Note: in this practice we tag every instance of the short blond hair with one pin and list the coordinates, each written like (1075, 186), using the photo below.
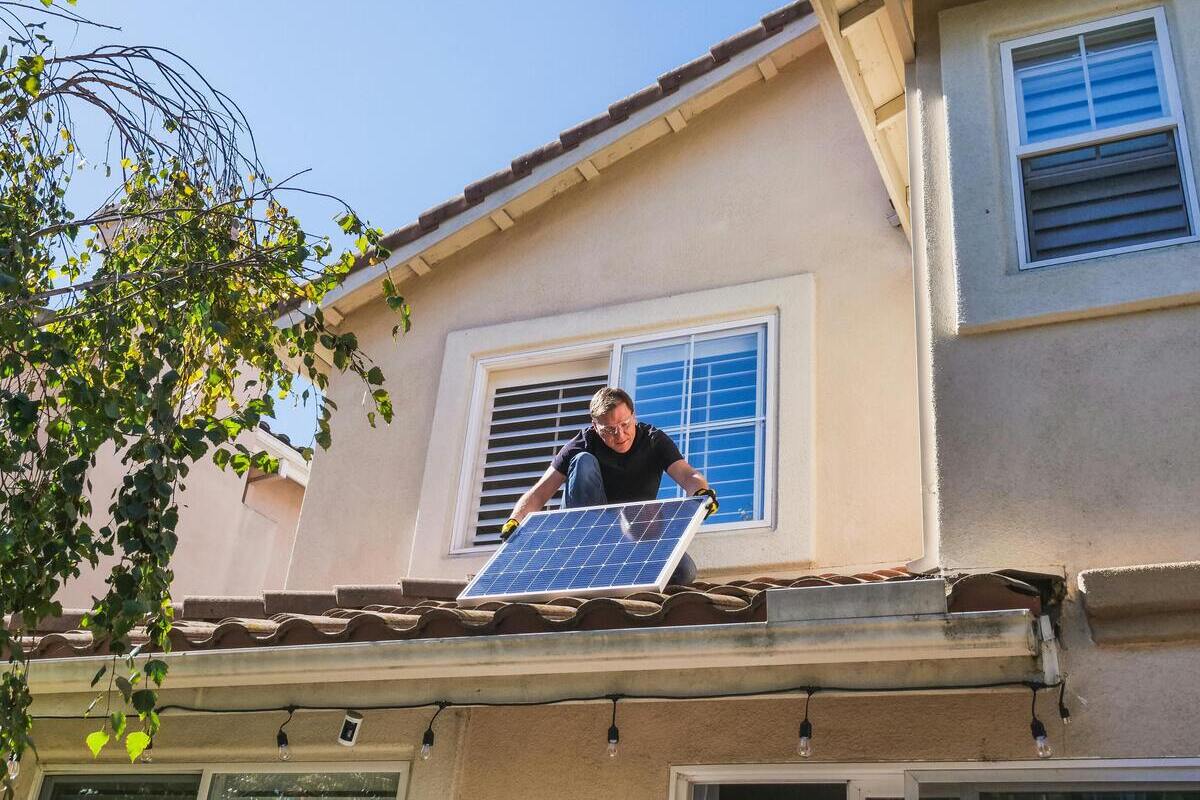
(608, 398)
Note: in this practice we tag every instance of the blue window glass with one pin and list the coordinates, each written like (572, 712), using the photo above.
(708, 392)
(1098, 80)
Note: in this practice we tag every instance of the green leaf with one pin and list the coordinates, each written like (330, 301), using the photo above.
(117, 718)
(144, 700)
(96, 741)
(156, 670)
(125, 687)
(375, 376)
(135, 744)
(99, 674)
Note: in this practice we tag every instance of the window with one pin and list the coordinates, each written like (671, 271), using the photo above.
(708, 391)
(529, 422)
(1099, 149)
(119, 787)
(707, 388)
(265, 783)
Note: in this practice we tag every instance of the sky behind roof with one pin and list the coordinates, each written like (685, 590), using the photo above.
(396, 106)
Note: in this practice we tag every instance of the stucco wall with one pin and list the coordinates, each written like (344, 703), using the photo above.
(226, 547)
(774, 182)
(556, 752)
(1075, 443)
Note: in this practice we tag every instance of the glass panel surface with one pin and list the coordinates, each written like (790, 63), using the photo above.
(770, 791)
(655, 378)
(1103, 79)
(1193, 794)
(341, 785)
(726, 379)
(729, 458)
(119, 787)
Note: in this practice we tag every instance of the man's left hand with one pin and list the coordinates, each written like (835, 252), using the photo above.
(711, 494)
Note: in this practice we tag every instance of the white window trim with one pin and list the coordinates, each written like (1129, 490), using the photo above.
(1174, 121)
(611, 346)
(896, 780)
(206, 770)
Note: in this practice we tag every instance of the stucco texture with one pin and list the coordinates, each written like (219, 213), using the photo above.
(1072, 444)
(551, 752)
(775, 181)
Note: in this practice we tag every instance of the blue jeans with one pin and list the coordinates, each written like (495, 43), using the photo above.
(585, 488)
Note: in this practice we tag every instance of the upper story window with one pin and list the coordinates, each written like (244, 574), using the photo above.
(1098, 145)
(707, 388)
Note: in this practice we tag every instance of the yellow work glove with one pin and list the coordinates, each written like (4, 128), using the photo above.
(711, 494)
(507, 529)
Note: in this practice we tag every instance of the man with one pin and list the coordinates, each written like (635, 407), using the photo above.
(615, 460)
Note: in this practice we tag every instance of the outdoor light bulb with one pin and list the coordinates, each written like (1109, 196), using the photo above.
(614, 738)
(285, 753)
(1039, 738)
(148, 754)
(804, 746)
(14, 767)
(427, 744)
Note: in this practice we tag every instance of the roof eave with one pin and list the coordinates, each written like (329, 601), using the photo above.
(954, 649)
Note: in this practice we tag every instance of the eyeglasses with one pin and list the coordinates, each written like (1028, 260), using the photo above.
(621, 427)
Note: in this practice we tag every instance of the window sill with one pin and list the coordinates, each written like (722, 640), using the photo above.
(1160, 275)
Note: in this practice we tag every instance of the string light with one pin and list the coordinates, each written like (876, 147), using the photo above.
(427, 739)
(614, 734)
(281, 738)
(1064, 713)
(1040, 740)
(353, 719)
(804, 744)
(14, 767)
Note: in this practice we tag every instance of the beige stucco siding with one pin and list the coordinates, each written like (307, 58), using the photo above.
(774, 182)
(1074, 443)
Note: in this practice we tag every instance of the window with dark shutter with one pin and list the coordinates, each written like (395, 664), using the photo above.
(1104, 196)
(528, 423)
(1098, 137)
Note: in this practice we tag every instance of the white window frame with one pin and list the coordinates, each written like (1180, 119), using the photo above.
(1173, 121)
(904, 780)
(612, 347)
(206, 770)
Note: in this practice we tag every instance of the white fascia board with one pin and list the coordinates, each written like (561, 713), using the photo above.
(292, 465)
(747, 59)
(961, 638)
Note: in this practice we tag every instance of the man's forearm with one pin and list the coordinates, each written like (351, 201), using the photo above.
(694, 483)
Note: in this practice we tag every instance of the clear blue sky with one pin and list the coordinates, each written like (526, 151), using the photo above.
(396, 105)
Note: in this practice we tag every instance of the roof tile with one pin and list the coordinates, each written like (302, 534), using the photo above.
(723, 51)
(387, 613)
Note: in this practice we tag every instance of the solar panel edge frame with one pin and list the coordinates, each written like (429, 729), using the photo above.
(677, 554)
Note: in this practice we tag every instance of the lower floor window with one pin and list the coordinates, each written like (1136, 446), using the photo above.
(226, 786)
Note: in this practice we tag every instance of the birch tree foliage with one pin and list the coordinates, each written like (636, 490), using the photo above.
(145, 326)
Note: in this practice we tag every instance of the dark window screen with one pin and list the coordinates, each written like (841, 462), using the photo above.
(771, 791)
(119, 787)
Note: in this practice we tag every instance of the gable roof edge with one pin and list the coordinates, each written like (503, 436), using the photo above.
(493, 213)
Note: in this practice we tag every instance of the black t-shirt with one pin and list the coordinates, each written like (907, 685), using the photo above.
(630, 476)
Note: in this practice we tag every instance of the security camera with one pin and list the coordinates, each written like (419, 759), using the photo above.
(348, 735)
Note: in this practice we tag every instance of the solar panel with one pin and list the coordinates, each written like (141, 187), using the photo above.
(628, 547)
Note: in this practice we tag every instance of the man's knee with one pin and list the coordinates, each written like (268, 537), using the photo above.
(584, 463)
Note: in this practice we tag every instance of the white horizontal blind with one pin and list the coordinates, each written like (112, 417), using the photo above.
(528, 423)
(1103, 79)
(708, 392)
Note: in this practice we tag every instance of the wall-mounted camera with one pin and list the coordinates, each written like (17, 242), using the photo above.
(351, 725)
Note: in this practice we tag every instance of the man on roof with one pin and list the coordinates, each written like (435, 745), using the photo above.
(616, 459)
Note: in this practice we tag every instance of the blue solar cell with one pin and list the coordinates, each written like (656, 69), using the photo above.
(590, 551)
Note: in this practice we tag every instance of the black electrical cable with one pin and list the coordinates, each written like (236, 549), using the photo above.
(1064, 713)
(1032, 685)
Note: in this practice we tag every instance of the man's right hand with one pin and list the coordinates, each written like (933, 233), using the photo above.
(507, 529)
